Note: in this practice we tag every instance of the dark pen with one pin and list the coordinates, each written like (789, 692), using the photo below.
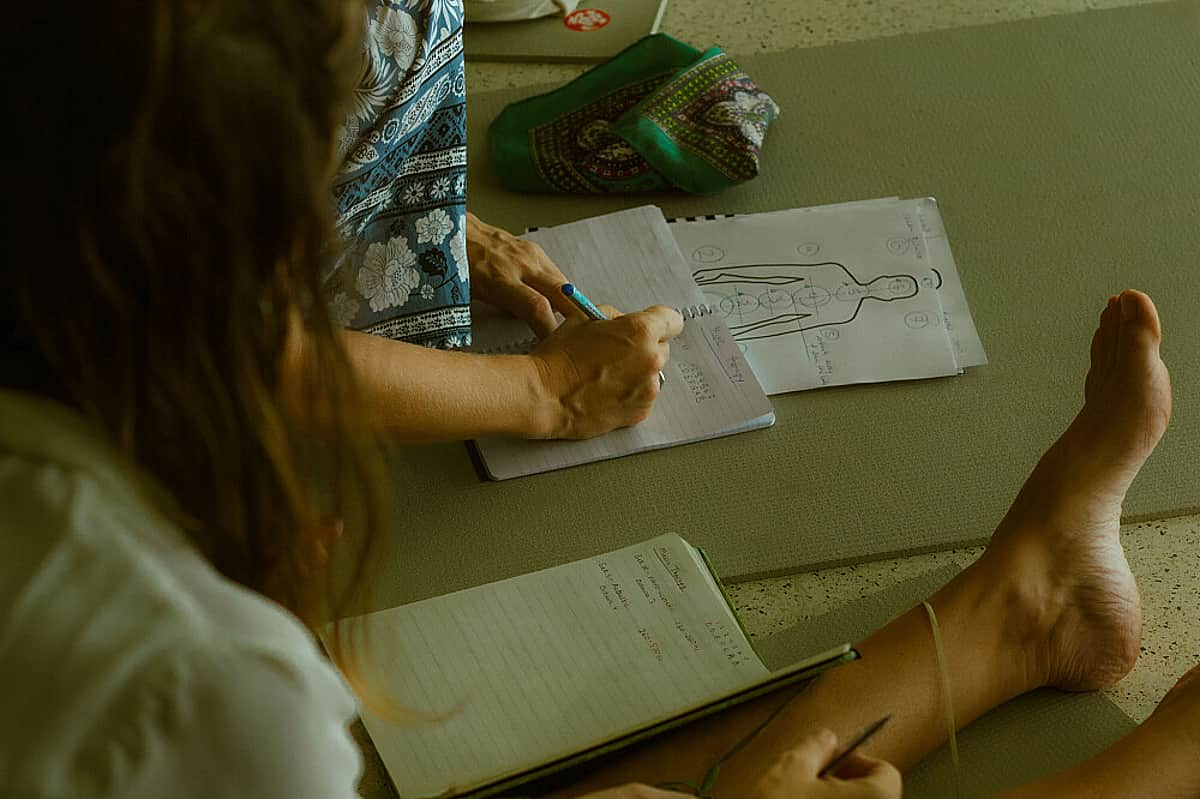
(861, 739)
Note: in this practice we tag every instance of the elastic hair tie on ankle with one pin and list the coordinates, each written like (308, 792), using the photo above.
(945, 670)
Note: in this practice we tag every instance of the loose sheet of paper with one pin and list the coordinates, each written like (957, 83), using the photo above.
(835, 295)
(630, 260)
(960, 326)
(540, 666)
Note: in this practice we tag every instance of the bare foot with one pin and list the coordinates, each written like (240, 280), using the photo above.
(1059, 544)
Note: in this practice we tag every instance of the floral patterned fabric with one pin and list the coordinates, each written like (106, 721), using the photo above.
(401, 191)
(659, 115)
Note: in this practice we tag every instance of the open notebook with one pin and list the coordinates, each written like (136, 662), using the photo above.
(630, 260)
(550, 670)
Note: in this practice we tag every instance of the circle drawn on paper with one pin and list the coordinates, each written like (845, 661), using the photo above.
(917, 319)
(898, 245)
(583, 20)
(708, 254)
(720, 302)
(774, 299)
(849, 292)
(808, 249)
(902, 285)
(812, 297)
(739, 303)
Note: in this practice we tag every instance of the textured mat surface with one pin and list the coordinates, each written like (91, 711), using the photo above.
(1063, 154)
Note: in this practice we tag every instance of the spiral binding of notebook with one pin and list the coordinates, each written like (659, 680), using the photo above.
(524, 345)
(671, 220)
(694, 311)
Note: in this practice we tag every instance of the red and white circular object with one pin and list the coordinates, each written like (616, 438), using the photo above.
(586, 19)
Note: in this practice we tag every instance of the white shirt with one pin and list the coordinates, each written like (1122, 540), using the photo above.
(128, 666)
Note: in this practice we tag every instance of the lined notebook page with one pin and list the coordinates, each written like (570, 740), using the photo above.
(543, 665)
(629, 259)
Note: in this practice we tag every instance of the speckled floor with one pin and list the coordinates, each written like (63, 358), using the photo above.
(1163, 554)
(755, 26)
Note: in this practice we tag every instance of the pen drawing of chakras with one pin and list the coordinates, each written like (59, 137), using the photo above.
(768, 300)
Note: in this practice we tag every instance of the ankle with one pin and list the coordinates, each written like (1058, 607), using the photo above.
(1011, 620)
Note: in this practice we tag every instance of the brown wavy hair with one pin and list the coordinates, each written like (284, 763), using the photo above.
(171, 161)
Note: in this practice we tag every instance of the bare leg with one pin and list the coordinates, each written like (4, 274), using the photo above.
(1051, 601)
(1161, 758)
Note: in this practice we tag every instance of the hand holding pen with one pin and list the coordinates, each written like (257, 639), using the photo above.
(595, 314)
(819, 767)
(593, 377)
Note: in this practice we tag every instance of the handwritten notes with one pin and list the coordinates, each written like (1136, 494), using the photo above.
(543, 665)
(630, 259)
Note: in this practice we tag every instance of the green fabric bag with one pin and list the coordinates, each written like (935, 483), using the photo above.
(658, 116)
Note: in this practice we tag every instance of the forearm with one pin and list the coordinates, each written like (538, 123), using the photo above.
(415, 394)
(584, 380)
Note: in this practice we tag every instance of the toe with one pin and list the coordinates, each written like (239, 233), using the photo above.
(1137, 306)
(1110, 325)
(1092, 382)
(1140, 331)
(1104, 347)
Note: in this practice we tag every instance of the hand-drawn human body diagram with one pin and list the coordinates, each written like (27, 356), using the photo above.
(849, 294)
(769, 300)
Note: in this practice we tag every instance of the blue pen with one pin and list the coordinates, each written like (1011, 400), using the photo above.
(582, 302)
(589, 308)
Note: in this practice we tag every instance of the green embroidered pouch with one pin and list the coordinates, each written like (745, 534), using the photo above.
(659, 115)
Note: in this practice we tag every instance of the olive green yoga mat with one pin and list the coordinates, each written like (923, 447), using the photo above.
(1036, 735)
(1064, 155)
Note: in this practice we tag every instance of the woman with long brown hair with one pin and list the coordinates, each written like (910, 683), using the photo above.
(174, 390)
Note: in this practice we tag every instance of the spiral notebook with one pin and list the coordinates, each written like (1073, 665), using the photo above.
(630, 260)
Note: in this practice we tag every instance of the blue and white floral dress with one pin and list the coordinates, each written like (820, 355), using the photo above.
(401, 191)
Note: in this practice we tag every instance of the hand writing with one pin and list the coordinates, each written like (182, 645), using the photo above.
(601, 375)
(794, 774)
(515, 275)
